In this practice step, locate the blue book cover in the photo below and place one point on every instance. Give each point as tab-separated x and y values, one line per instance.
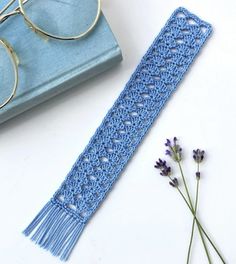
49	67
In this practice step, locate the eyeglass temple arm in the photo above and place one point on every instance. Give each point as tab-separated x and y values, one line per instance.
14	12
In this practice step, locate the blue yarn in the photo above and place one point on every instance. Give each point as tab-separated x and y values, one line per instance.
37	219
59	224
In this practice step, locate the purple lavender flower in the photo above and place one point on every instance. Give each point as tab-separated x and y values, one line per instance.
198	174
173	149
198	155
174	182
162	166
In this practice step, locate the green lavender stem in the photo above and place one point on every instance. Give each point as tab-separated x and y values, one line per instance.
193	224
200	226
195	210
192	209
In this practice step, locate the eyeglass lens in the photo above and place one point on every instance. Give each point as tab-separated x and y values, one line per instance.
62	17
7	78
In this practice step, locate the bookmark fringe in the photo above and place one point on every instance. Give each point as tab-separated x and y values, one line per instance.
55	230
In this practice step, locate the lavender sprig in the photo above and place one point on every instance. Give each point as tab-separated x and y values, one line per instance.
174	150
174	182
165	170
162	166
198	156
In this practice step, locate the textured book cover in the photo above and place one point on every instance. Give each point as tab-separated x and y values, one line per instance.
49	67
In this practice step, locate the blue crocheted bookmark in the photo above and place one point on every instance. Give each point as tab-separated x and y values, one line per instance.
59	224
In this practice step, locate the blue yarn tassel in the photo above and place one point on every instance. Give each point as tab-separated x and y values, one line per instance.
55	230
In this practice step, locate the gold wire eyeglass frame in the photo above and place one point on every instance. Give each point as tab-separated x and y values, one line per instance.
14	59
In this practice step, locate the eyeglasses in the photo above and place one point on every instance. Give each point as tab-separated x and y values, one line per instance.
29	9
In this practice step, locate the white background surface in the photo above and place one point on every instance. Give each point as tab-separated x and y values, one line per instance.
143	220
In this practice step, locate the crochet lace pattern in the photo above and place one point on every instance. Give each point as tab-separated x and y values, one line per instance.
59	224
